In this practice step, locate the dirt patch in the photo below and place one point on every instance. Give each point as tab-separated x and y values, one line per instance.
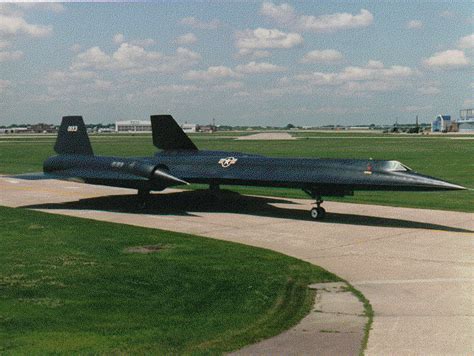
145	249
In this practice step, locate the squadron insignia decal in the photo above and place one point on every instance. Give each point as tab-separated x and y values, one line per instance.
226	162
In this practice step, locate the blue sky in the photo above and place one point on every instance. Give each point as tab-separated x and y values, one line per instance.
263	63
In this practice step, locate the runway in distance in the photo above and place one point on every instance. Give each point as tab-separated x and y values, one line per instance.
181	162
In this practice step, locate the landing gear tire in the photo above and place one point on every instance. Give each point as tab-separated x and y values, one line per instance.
318	213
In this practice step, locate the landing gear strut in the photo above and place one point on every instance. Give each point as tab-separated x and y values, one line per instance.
143	198
318	212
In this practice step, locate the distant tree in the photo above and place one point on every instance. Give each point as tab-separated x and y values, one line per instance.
290	126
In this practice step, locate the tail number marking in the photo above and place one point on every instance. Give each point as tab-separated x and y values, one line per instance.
227	162
72	129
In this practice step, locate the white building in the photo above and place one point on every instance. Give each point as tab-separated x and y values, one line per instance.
466	121
145	126
189	128
133	126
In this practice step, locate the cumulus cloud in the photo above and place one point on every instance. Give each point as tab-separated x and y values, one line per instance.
4	84
447	14
285	14
199	24
324	56
135	59
119	38
172	89
466	42
76	47
249	41
450	59
16	25
186	39
257	68
10	56
429	90
372	77
414	24
47	6
212	73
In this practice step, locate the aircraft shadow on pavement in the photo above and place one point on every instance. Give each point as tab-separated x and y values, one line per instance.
186	203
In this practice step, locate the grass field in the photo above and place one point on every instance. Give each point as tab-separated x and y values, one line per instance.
70	285
445	157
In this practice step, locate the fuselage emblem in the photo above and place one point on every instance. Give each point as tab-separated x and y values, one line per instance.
226	162
72	129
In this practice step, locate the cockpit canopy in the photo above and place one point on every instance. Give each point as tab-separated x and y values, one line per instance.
395	166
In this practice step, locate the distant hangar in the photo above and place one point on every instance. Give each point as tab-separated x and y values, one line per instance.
145	126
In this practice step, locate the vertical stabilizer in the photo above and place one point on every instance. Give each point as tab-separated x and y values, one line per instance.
72	137
167	135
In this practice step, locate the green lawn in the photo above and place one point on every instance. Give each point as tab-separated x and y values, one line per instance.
68	285
441	156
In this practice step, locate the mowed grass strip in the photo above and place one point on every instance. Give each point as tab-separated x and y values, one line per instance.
448	158
70	285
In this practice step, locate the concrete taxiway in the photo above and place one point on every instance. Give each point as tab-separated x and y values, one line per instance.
415	266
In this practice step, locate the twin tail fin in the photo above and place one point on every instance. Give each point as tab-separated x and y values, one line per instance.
72	137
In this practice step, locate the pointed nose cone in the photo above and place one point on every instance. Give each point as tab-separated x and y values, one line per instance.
431	183
440	184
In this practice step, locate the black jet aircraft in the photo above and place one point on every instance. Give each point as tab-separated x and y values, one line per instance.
181	162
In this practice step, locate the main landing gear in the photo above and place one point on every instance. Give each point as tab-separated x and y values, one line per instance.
143	198
318	212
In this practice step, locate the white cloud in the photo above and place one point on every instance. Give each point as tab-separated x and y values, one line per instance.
146	42
324	56
68	77
4	84
119	38
134	59
260	54
414	24
47	6
429	90
14	25
261	67
230	85
172	89
10	56
186	39
76	47
466	42
198	24
285	14
212	73
372	77
450	59
447	14
261	38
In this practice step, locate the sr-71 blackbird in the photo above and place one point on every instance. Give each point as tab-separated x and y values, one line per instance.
181	162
